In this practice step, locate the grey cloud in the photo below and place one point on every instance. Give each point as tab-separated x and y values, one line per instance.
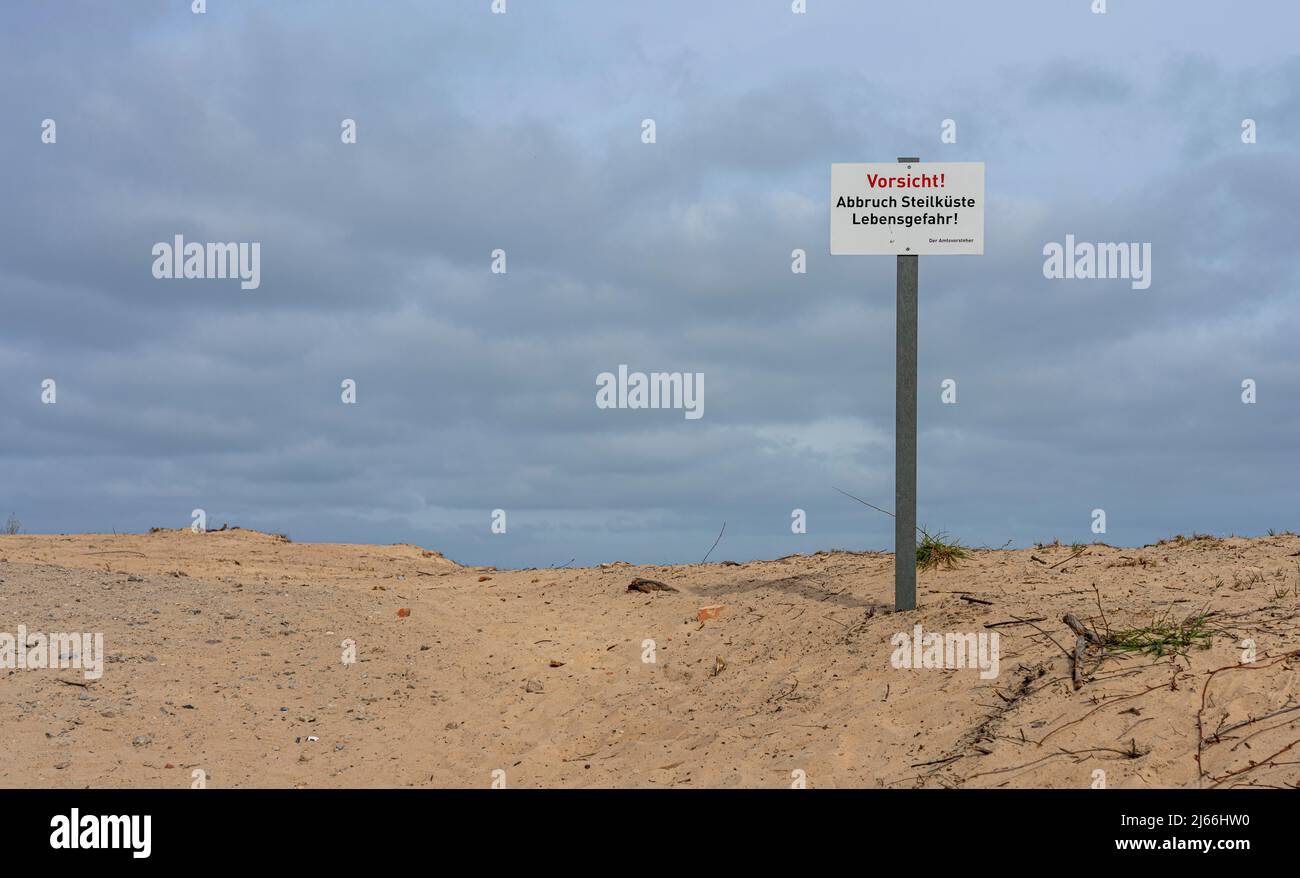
476	391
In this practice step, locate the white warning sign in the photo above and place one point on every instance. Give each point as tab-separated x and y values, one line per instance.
907	208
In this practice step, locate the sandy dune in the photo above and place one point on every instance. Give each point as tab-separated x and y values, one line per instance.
224	652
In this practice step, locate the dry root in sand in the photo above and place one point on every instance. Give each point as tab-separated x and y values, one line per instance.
1204	741
1162	637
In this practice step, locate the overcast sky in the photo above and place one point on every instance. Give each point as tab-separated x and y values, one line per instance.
523	131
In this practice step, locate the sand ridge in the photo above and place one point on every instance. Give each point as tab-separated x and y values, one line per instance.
225	653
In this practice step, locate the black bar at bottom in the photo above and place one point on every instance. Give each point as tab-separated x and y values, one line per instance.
331	828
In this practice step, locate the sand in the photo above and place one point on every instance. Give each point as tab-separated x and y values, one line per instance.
225	654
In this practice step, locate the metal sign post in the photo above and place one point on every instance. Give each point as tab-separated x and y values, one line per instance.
933	209
905	431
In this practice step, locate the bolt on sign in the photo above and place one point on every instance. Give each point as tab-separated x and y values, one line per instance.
931	209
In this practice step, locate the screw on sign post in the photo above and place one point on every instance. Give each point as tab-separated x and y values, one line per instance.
934	209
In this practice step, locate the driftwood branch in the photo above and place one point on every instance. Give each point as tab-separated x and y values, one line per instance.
1080	629
1071	558
1014	622
1080	649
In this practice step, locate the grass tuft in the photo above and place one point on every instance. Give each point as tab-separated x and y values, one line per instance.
1163	637
934	552
1199	540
